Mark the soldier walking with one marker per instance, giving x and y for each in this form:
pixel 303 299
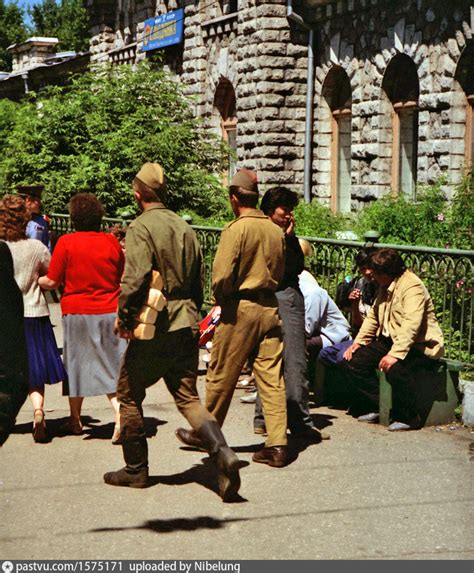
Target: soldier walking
pixel 161 240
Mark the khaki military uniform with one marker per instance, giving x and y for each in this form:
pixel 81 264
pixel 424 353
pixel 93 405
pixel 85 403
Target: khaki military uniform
pixel 160 240
pixel 248 267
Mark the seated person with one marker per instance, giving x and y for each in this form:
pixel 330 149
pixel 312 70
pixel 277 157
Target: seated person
pixel 325 324
pixel 400 336
pixel 359 302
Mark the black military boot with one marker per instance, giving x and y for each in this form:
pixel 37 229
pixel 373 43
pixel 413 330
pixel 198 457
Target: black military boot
pixel 227 462
pixel 135 472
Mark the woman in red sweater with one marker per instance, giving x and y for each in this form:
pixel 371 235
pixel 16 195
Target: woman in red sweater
pixel 89 263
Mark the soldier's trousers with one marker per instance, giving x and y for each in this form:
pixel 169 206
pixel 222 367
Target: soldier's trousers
pixel 249 330
pixel 172 356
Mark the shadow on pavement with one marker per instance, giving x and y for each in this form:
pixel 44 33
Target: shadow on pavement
pixel 105 431
pixel 177 524
pixel 203 474
pixel 93 429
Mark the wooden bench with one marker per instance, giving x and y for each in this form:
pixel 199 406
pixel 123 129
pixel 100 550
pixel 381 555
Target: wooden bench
pixel 437 394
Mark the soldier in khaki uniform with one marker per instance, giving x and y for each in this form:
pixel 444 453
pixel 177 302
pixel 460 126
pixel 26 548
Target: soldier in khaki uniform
pixel 160 240
pixel 248 266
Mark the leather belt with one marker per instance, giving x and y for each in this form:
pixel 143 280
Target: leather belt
pixel 253 295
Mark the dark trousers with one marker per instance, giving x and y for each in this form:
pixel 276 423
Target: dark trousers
pixel 172 356
pixel 402 376
pixel 291 310
pixel 13 393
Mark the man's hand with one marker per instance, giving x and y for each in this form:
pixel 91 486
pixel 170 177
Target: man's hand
pixel 354 347
pixel 355 294
pixel 387 362
pixel 122 332
pixel 291 225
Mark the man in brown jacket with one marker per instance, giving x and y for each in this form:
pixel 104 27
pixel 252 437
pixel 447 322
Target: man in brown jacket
pixel 161 240
pixel 400 336
pixel 248 267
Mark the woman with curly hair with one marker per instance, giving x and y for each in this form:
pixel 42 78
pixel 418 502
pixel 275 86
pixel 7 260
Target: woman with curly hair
pixel 31 259
pixel 89 263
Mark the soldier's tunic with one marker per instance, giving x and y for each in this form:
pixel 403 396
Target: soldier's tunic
pixel 248 267
pixel 161 240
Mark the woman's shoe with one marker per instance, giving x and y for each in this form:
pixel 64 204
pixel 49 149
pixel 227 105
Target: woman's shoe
pixel 39 426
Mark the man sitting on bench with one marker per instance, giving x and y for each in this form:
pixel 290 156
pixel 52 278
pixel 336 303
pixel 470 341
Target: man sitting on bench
pixel 400 337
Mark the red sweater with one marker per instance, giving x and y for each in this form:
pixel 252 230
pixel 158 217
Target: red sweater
pixel 90 266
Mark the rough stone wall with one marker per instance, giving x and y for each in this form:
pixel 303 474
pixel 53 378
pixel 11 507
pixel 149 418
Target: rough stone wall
pixel 362 37
pixel 251 48
pixel 30 54
pixel 264 57
pixel 254 52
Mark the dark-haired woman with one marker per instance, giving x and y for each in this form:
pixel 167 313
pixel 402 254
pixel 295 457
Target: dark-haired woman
pixel 89 263
pixel 31 259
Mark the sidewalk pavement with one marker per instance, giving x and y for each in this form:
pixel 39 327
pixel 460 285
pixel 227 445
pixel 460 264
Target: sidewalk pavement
pixel 364 494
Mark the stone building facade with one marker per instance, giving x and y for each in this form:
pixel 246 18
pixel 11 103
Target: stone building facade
pixel 391 105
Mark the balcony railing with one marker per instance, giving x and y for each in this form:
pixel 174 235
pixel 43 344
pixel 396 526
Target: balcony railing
pixel 448 275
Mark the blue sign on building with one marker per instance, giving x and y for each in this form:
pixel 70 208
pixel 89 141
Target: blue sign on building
pixel 164 30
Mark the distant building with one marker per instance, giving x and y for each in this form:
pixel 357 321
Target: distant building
pixel 36 64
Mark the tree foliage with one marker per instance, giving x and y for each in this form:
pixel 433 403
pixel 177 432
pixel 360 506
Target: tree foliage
pixel 67 20
pixel 12 30
pixel 431 220
pixel 96 133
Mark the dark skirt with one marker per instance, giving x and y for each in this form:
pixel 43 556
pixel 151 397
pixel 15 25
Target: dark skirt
pixel 44 362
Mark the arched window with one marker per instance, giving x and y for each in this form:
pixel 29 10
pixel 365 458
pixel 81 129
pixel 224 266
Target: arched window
pixel 224 103
pixel 465 77
pixel 338 96
pixel 401 85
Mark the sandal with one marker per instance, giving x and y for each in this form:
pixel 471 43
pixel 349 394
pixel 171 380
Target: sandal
pixel 39 426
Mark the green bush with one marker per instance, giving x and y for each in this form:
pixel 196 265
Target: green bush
pixel 316 220
pixel 429 221
pixel 94 135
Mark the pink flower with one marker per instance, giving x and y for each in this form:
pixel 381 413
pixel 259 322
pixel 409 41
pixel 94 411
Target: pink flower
pixel 460 283
pixel 440 217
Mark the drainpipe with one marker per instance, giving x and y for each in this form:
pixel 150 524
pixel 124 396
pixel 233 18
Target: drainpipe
pixel 297 19
pixel 24 77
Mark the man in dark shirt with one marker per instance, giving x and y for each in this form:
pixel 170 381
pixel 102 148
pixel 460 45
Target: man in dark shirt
pixel 278 204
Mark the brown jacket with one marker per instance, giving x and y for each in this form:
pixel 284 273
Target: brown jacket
pixel 250 257
pixel 411 318
pixel 161 240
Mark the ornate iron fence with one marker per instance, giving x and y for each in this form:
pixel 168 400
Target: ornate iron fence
pixel 448 275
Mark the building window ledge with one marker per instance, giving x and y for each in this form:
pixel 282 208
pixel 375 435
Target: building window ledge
pixel 221 25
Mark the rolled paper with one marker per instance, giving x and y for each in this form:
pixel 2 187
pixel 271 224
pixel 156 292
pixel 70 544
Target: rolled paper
pixel 144 331
pixel 147 315
pixel 156 281
pixel 156 299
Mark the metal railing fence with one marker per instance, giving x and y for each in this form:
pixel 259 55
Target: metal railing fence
pixel 448 275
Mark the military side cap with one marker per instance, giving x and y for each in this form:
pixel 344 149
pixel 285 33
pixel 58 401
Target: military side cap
pixel 245 179
pixel 35 190
pixel 152 175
